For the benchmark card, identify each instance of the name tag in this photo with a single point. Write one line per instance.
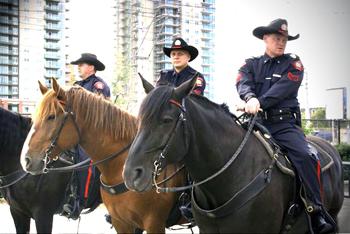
(268, 78)
(276, 75)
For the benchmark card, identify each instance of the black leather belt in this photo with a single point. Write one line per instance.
(278, 115)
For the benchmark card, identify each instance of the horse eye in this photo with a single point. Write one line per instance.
(51, 117)
(167, 120)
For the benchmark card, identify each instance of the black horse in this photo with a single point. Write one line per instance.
(250, 195)
(38, 197)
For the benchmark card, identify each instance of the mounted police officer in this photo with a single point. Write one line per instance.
(83, 189)
(88, 64)
(271, 82)
(181, 54)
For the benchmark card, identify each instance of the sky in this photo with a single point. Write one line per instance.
(323, 45)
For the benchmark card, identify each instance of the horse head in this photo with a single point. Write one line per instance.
(161, 137)
(53, 131)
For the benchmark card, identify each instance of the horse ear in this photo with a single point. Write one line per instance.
(185, 88)
(59, 91)
(42, 88)
(147, 86)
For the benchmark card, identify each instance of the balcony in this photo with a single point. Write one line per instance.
(53, 37)
(52, 17)
(11, 2)
(4, 11)
(51, 46)
(52, 27)
(9, 31)
(54, 8)
(51, 56)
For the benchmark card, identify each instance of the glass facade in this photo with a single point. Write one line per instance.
(9, 28)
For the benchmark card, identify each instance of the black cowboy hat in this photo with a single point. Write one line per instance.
(279, 26)
(90, 59)
(180, 44)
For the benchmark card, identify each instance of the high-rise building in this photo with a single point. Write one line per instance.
(144, 27)
(31, 48)
(9, 52)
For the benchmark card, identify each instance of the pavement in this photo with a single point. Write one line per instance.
(95, 221)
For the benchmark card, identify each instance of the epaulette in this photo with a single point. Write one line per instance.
(293, 56)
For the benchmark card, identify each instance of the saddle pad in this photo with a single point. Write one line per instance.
(285, 165)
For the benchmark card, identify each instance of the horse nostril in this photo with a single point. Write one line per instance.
(28, 162)
(138, 173)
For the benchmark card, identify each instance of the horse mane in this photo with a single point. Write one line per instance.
(152, 104)
(94, 110)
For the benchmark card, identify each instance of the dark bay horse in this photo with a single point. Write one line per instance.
(37, 197)
(251, 195)
(80, 117)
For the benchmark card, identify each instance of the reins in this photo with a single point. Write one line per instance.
(157, 163)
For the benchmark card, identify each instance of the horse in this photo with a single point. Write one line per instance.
(238, 189)
(76, 116)
(27, 195)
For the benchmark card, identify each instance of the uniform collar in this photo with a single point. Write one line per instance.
(183, 71)
(89, 78)
(267, 58)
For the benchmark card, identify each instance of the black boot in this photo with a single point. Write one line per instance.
(320, 224)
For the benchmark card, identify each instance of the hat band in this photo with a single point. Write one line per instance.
(285, 33)
(177, 46)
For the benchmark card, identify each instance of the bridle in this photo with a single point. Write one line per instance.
(81, 165)
(47, 159)
(182, 119)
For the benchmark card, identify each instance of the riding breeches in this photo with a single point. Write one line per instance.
(291, 138)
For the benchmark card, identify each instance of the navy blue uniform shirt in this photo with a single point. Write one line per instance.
(176, 79)
(95, 84)
(274, 81)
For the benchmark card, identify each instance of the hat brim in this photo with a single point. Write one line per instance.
(190, 49)
(259, 32)
(96, 63)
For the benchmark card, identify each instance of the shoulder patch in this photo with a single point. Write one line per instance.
(99, 85)
(298, 65)
(199, 81)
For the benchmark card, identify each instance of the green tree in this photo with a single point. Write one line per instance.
(120, 83)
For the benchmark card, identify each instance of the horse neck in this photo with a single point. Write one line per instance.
(214, 138)
(99, 144)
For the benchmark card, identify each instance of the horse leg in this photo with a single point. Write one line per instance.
(43, 223)
(122, 227)
(22, 222)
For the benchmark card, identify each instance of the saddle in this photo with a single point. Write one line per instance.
(283, 164)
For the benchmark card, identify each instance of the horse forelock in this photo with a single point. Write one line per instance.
(153, 103)
(101, 114)
(49, 105)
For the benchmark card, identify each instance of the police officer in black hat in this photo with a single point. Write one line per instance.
(88, 64)
(271, 83)
(181, 54)
(85, 192)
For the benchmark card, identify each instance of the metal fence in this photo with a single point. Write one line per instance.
(334, 131)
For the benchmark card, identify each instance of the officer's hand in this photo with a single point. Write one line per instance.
(252, 106)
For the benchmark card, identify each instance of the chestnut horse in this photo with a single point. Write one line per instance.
(77, 116)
